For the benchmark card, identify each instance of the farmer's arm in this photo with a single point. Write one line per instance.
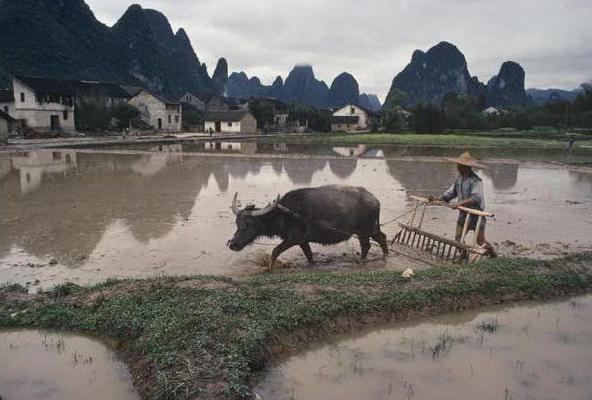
(449, 194)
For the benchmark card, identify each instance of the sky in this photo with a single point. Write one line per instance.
(374, 39)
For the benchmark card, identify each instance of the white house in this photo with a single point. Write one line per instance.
(490, 111)
(158, 112)
(230, 121)
(354, 117)
(42, 104)
(193, 101)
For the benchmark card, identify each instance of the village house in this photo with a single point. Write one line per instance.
(193, 101)
(230, 121)
(42, 104)
(108, 94)
(158, 112)
(354, 117)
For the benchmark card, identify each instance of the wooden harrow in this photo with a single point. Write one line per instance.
(413, 236)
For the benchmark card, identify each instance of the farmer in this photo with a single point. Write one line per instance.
(468, 190)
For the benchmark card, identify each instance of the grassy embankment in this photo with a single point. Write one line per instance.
(204, 337)
(526, 139)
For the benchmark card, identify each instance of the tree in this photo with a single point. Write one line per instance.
(427, 118)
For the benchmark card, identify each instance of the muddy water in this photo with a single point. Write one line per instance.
(523, 352)
(83, 216)
(37, 365)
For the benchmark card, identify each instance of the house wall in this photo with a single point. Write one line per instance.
(225, 126)
(193, 100)
(343, 127)
(151, 109)
(38, 115)
(363, 122)
(248, 124)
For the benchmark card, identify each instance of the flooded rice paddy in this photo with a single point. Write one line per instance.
(39, 365)
(530, 351)
(84, 216)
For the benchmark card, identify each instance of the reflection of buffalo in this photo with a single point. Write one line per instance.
(503, 176)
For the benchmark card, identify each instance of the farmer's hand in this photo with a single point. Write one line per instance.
(454, 205)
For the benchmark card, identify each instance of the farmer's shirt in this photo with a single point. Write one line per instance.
(464, 188)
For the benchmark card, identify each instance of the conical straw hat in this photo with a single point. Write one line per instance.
(466, 159)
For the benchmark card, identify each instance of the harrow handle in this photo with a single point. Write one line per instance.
(442, 203)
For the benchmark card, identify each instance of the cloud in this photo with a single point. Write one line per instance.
(374, 39)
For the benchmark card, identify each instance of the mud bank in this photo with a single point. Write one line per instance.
(206, 337)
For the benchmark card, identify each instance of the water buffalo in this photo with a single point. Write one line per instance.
(326, 215)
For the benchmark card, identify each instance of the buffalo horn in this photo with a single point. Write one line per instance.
(234, 206)
(265, 210)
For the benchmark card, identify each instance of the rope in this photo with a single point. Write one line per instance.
(396, 218)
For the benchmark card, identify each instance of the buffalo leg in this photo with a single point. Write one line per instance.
(279, 249)
(307, 251)
(381, 239)
(365, 245)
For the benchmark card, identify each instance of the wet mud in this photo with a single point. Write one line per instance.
(85, 216)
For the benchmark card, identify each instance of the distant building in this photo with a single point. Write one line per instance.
(43, 104)
(108, 94)
(490, 111)
(158, 112)
(354, 117)
(230, 121)
(193, 101)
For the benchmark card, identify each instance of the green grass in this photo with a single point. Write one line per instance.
(204, 337)
(527, 139)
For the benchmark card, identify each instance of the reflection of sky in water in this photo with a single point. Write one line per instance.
(45, 365)
(166, 212)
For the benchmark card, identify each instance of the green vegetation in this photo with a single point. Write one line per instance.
(97, 117)
(204, 337)
(461, 112)
(464, 139)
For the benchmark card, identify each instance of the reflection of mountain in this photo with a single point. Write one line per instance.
(65, 215)
(343, 167)
(427, 177)
(503, 176)
(301, 172)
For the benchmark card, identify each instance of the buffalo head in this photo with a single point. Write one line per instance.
(250, 223)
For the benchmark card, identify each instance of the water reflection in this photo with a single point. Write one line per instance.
(45, 366)
(168, 212)
(527, 352)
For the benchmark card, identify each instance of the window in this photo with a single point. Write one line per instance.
(22, 97)
(169, 118)
(352, 110)
(6, 109)
(176, 119)
(56, 155)
(65, 115)
(229, 124)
